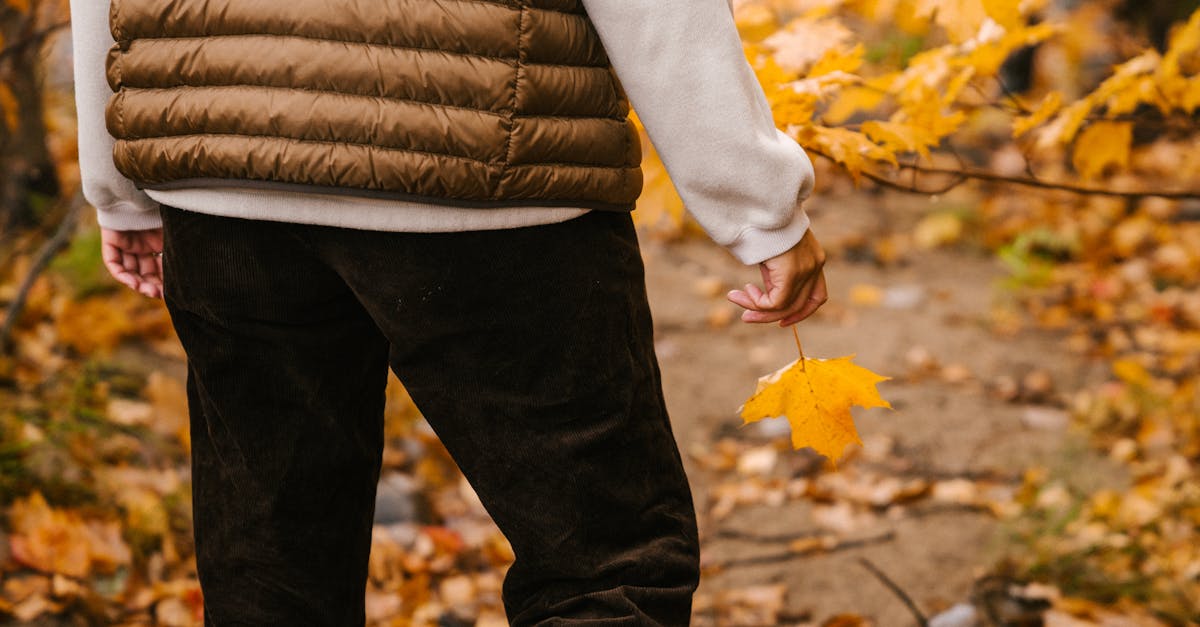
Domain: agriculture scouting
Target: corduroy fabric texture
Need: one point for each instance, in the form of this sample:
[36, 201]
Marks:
[529, 351]
[472, 103]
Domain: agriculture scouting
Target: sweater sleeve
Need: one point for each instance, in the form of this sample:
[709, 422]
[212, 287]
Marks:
[683, 68]
[119, 204]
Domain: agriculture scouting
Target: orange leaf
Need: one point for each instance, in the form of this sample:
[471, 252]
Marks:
[816, 395]
[56, 540]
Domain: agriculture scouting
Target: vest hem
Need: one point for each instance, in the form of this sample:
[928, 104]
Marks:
[202, 182]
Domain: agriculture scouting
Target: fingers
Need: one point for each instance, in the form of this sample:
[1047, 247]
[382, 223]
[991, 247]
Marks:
[779, 294]
[147, 268]
[819, 295]
[811, 295]
[742, 298]
[113, 262]
[150, 289]
[128, 257]
[782, 282]
[130, 261]
[793, 307]
[794, 282]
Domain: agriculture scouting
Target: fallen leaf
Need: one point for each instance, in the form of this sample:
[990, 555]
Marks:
[816, 395]
[55, 540]
[938, 229]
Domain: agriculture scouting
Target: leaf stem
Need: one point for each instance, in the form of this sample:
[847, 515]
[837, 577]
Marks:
[796, 334]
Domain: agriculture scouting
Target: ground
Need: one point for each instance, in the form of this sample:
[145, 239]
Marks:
[960, 422]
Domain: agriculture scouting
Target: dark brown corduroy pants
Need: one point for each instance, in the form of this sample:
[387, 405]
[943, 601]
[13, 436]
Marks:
[528, 350]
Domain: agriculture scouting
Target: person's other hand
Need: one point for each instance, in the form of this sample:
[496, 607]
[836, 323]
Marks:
[794, 285]
[129, 257]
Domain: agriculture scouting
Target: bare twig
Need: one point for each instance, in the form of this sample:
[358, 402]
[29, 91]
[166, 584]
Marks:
[766, 538]
[56, 243]
[33, 39]
[1018, 106]
[771, 558]
[887, 581]
[963, 175]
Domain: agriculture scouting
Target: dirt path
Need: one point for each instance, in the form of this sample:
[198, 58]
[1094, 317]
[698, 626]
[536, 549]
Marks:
[937, 309]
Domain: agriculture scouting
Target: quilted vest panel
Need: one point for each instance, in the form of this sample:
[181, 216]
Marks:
[478, 103]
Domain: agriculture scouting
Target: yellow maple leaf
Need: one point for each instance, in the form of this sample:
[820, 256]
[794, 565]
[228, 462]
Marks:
[899, 137]
[960, 18]
[839, 60]
[1006, 12]
[1064, 125]
[848, 148]
[802, 42]
[851, 100]
[1049, 105]
[816, 395]
[1101, 145]
[755, 21]
[1185, 40]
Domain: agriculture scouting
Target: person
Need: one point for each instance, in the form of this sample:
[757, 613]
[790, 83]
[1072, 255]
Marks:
[324, 190]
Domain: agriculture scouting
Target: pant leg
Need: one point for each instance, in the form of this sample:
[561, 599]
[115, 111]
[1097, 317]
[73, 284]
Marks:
[285, 385]
[530, 352]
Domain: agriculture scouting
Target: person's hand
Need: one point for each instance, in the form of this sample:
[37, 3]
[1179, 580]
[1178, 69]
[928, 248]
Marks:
[794, 282]
[133, 258]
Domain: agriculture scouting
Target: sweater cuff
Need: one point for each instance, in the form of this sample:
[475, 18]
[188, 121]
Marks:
[128, 216]
[755, 245]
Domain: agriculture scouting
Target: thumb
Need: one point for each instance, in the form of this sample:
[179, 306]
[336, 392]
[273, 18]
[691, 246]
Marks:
[777, 281]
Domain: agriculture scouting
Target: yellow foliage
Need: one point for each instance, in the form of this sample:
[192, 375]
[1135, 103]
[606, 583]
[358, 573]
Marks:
[850, 149]
[1051, 103]
[816, 395]
[899, 137]
[1064, 125]
[933, 118]
[961, 19]
[987, 56]
[1006, 13]
[810, 67]
[802, 42]
[1176, 88]
[1184, 41]
[839, 60]
[851, 100]
[755, 21]
[1101, 145]
[901, 14]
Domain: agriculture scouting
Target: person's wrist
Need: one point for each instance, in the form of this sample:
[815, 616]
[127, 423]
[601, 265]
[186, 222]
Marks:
[755, 245]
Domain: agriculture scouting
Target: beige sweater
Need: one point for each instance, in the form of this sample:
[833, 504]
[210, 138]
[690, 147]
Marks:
[682, 66]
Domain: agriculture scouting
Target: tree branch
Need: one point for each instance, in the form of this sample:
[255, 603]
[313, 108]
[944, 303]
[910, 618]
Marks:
[34, 38]
[60, 240]
[791, 555]
[963, 175]
[887, 581]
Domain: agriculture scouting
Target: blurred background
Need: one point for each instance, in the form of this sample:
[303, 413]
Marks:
[1009, 193]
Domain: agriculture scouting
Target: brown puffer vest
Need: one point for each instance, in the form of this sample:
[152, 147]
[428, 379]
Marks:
[475, 103]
